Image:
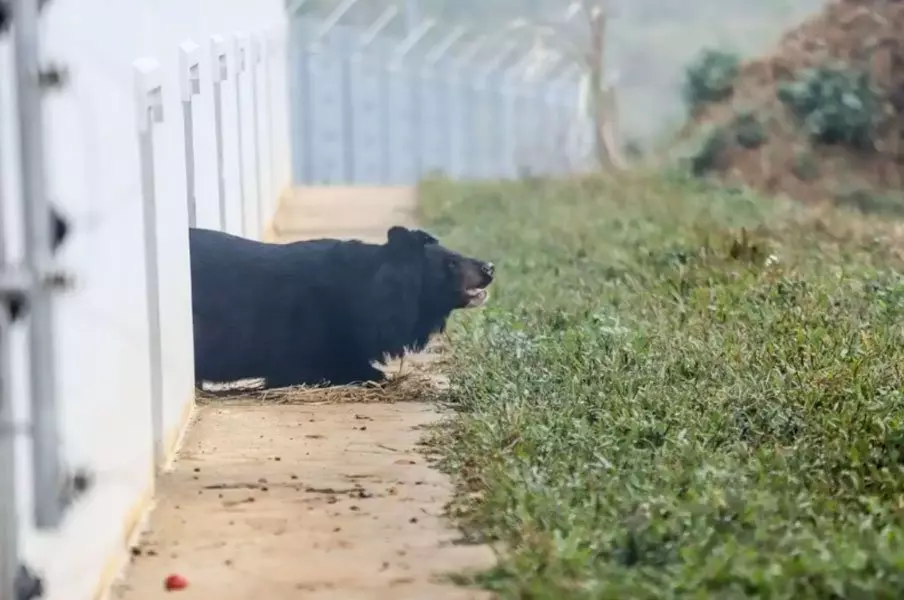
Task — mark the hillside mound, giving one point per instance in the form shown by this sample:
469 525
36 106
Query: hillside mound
820 118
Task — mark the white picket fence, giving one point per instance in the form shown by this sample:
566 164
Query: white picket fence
131 150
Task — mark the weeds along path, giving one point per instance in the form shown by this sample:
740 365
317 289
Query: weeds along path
321 495
679 390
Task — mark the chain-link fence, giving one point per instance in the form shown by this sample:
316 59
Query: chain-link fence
371 108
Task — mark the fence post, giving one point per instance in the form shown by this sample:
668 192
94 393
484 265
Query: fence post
268 52
9 510
513 83
522 116
574 120
254 51
345 83
219 72
566 115
307 114
190 85
296 106
540 77
47 462
149 104
9 513
457 96
348 118
485 127
509 106
281 129
416 88
546 127
541 147
529 132
455 133
386 76
427 75
474 130
399 54
552 110
240 48
357 59
493 142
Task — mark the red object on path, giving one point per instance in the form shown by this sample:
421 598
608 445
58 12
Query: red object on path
174 583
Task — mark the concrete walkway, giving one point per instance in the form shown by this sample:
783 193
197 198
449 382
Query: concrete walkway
309 500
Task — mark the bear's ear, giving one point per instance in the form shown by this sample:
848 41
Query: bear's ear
397 235
404 240
425 238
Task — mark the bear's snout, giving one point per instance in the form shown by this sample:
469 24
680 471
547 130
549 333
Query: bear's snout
488 269
480 274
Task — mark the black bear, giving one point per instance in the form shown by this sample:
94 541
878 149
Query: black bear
322 311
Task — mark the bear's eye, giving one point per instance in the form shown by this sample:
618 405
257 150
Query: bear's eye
451 264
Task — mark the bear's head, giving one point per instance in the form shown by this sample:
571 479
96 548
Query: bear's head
449 280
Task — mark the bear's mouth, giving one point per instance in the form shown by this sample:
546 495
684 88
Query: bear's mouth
475 297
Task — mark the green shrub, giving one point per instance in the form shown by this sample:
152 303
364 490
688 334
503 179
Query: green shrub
805 166
868 201
749 130
710 154
710 77
834 104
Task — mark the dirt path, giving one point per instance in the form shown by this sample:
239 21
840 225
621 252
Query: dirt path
313 500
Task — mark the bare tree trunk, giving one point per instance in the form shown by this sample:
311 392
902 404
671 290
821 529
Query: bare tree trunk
602 101
608 124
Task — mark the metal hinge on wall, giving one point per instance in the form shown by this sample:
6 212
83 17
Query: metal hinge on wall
29 586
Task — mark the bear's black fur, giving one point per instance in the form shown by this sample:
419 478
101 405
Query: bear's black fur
321 311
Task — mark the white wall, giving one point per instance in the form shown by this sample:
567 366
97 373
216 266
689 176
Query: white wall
93 175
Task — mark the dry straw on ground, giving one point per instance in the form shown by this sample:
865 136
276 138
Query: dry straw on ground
411 379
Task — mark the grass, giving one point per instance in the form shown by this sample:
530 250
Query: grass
676 391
